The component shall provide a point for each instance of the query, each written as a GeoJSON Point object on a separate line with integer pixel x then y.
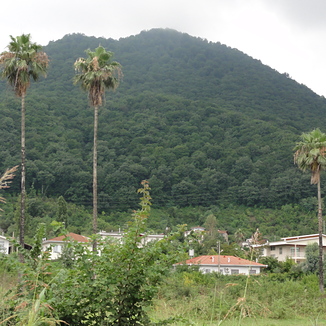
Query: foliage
{"type": "Point", "coordinates": [111, 287]}
{"type": "Point", "coordinates": [310, 265]}
{"type": "Point", "coordinates": [213, 298]}
{"type": "Point", "coordinates": [222, 140]}
{"type": "Point", "coordinates": [23, 61]}
{"type": "Point", "coordinates": [158, 127]}
{"type": "Point", "coordinates": [26, 304]}
{"type": "Point", "coordinates": [310, 153]}
{"type": "Point", "coordinates": [97, 73]}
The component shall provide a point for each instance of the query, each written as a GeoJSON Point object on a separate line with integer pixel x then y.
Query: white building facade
{"type": "Point", "coordinates": [4, 245]}
{"type": "Point", "coordinates": [290, 248]}
{"type": "Point", "coordinates": [226, 265]}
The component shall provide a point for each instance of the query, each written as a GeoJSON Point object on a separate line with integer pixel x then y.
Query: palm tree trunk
{"type": "Point", "coordinates": [320, 231]}
{"type": "Point", "coordinates": [23, 177]}
{"type": "Point", "coordinates": [95, 175]}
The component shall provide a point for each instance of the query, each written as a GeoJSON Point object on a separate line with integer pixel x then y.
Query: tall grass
{"type": "Point", "coordinates": [193, 298]}
{"type": "Point", "coordinates": [216, 299]}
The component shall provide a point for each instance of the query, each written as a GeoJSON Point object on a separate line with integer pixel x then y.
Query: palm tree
{"type": "Point", "coordinates": [310, 154]}
{"type": "Point", "coordinates": [24, 61]}
{"type": "Point", "coordinates": [97, 73]}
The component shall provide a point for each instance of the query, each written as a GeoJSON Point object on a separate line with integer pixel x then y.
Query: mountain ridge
{"type": "Point", "coordinates": [205, 123]}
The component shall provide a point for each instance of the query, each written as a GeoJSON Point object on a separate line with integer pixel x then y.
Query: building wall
{"type": "Point", "coordinates": [230, 270]}
{"type": "Point", "coordinates": [4, 245]}
{"type": "Point", "coordinates": [295, 250]}
{"type": "Point", "coordinates": [55, 250]}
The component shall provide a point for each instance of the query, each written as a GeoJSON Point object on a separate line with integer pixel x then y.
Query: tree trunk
{"type": "Point", "coordinates": [320, 231]}
{"type": "Point", "coordinates": [95, 175]}
{"type": "Point", "coordinates": [23, 178]}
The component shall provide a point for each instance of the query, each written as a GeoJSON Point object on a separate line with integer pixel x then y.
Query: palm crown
{"type": "Point", "coordinates": [97, 73]}
{"type": "Point", "coordinates": [23, 61]}
{"type": "Point", "coordinates": [310, 153]}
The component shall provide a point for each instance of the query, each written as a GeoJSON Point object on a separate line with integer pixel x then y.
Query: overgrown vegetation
{"type": "Point", "coordinates": [211, 299]}
{"type": "Point", "coordinates": [110, 287]}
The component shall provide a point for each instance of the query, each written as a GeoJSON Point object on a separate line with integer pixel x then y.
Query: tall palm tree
{"type": "Point", "coordinates": [96, 73]}
{"type": "Point", "coordinates": [310, 154]}
{"type": "Point", "coordinates": [22, 63]}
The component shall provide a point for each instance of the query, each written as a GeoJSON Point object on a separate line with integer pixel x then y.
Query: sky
{"type": "Point", "coordinates": [287, 35]}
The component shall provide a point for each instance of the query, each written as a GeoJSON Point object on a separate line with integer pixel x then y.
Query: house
{"type": "Point", "coordinates": [290, 247]}
{"type": "Point", "coordinates": [4, 245]}
{"type": "Point", "coordinates": [55, 245]}
{"type": "Point", "coordinates": [224, 234]}
{"type": "Point", "coordinates": [226, 265]}
{"type": "Point", "coordinates": [145, 238]}
{"type": "Point", "coordinates": [195, 229]}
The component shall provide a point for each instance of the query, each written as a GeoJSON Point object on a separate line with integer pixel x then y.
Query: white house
{"type": "Point", "coordinates": [195, 229]}
{"type": "Point", "coordinates": [55, 245]}
{"type": "Point", "coordinates": [290, 247]}
{"type": "Point", "coordinates": [4, 245]}
{"type": "Point", "coordinates": [146, 238]}
{"type": "Point", "coordinates": [226, 265]}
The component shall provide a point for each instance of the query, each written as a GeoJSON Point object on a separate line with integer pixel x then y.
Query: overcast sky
{"type": "Point", "coordinates": [287, 35]}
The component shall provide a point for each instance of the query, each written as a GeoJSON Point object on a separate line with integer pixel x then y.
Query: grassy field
{"type": "Point", "coordinates": [229, 301]}
{"type": "Point", "coordinates": [194, 299]}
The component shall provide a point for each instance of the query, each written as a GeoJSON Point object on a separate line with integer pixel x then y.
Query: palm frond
{"type": "Point", "coordinates": [310, 153]}
{"type": "Point", "coordinates": [96, 73]}
{"type": "Point", "coordinates": [22, 62]}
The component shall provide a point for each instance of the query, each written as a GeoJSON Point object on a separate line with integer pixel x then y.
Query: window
{"type": "Point", "coordinates": [57, 249]}
{"type": "Point", "coordinates": [252, 271]}
{"type": "Point", "coordinates": [207, 270]}
{"type": "Point", "coordinates": [234, 271]}
{"type": "Point", "coordinates": [280, 250]}
{"type": "Point", "coordinates": [293, 250]}
{"type": "Point", "coordinates": [272, 248]}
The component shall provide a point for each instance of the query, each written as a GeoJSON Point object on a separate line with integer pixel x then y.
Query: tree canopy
{"type": "Point", "coordinates": [206, 124]}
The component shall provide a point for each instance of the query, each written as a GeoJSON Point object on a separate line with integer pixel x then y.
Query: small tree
{"type": "Point", "coordinates": [127, 271]}
{"type": "Point", "coordinates": [312, 259]}
{"type": "Point", "coordinates": [62, 211]}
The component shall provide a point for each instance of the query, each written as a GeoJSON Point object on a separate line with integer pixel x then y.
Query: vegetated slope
{"type": "Point", "coordinates": [205, 123]}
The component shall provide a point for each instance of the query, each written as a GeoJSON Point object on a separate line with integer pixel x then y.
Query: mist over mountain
{"type": "Point", "coordinates": [204, 123]}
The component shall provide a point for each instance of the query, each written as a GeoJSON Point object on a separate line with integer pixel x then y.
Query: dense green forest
{"type": "Point", "coordinates": [211, 128]}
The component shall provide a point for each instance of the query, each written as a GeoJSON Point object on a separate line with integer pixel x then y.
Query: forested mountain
{"type": "Point", "coordinates": [204, 123]}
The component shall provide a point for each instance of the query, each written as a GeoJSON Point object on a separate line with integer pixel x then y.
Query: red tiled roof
{"type": "Point", "coordinates": [72, 236]}
{"type": "Point", "coordinates": [224, 260]}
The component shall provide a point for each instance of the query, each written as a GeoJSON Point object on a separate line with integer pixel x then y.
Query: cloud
{"type": "Point", "coordinates": [284, 34]}
{"type": "Point", "coordinates": [304, 15]}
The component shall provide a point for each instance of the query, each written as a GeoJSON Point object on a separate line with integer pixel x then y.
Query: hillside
{"type": "Point", "coordinates": [205, 123]}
